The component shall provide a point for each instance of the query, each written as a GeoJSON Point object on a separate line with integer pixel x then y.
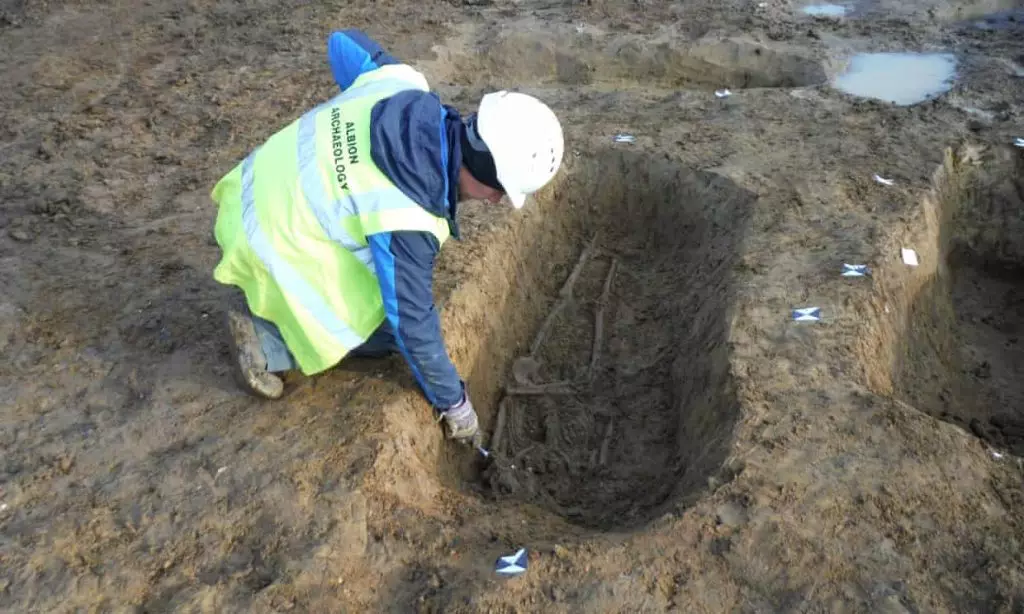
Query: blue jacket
{"type": "Point", "coordinates": [415, 142]}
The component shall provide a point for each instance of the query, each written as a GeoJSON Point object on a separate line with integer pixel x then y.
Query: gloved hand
{"type": "Point", "coordinates": [462, 421]}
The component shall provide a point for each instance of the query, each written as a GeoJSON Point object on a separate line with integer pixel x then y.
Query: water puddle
{"type": "Point", "coordinates": [900, 78]}
{"type": "Point", "coordinates": [824, 10]}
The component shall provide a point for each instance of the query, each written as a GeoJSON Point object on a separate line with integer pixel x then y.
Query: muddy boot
{"type": "Point", "coordinates": [250, 365]}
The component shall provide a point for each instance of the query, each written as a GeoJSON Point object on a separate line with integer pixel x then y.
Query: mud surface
{"type": "Point", "coordinates": [715, 456]}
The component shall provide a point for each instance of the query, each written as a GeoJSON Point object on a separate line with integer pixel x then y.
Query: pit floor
{"type": "Point", "coordinates": [990, 313]}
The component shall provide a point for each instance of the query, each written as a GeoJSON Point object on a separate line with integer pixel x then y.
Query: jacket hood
{"type": "Point", "coordinates": [415, 142]}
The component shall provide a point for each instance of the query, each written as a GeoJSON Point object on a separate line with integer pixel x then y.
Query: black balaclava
{"type": "Point", "coordinates": [476, 157]}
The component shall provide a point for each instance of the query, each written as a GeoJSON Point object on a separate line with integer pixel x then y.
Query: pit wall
{"type": "Point", "coordinates": [492, 289]}
{"type": "Point", "coordinates": [532, 52]}
{"type": "Point", "coordinates": [910, 345]}
{"type": "Point", "coordinates": [507, 273]}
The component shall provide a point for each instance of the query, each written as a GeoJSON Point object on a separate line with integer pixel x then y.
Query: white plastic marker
{"type": "Point", "coordinates": [513, 564]}
{"type": "Point", "coordinates": [807, 314]}
{"type": "Point", "coordinates": [625, 138]}
{"type": "Point", "coordinates": [1019, 142]}
{"type": "Point", "coordinates": [883, 180]}
{"type": "Point", "coordinates": [855, 270]}
{"type": "Point", "coordinates": [722, 93]}
{"type": "Point", "coordinates": [483, 452]}
{"type": "Point", "coordinates": [909, 256]}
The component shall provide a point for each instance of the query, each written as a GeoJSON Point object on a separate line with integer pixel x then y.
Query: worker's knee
{"type": "Point", "coordinates": [380, 344]}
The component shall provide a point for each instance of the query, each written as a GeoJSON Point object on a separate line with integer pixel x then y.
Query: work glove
{"type": "Point", "coordinates": [461, 421]}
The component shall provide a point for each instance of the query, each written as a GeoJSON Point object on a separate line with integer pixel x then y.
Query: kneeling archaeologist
{"type": "Point", "coordinates": [331, 227]}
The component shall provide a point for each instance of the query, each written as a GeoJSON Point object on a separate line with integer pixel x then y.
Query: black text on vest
{"type": "Point", "coordinates": [342, 146]}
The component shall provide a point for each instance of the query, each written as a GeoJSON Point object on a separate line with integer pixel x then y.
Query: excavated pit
{"type": "Point", "coordinates": [564, 54]}
{"type": "Point", "coordinates": [636, 252]}
{"type": "Point", "coordinates": [958, 352]}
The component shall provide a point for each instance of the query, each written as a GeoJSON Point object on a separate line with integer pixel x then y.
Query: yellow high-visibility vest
{"type": "Point", "coordinates": [294, 216]}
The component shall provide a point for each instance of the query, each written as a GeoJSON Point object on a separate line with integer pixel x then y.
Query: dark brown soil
{"type": "Point", "coordinates": [867, 463]}
{"type": "Point", "coordinates": [962, 358]}
{"type": "Point", "coordinates": [653, 409]}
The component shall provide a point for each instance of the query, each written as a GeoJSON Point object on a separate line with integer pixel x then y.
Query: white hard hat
{"type": "Point", "coordinates": [525, 138]}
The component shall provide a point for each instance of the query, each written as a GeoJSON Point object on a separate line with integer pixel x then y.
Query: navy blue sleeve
{"type": "Point", "coordinates": [352, 53]}
{"type": "Point", "coordinates": [405, 271]}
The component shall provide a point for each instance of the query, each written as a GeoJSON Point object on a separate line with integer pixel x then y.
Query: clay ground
{"type": "Point", "coordinates": [708, 454]}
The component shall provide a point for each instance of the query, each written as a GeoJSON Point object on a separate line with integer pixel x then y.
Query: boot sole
{"type": "Point", "coordinates": [237, 372]}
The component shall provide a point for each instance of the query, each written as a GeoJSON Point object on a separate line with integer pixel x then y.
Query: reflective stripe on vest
{"type": "Point", "coordinates": [282, 272]}
{"type": "Point", "coordinates": [327, 210]}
